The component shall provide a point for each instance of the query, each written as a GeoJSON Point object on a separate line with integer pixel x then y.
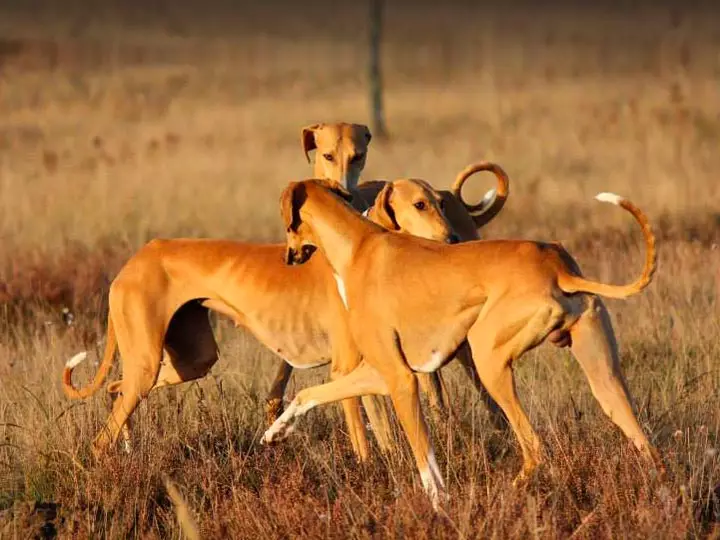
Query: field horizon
{"type": "Point", "coordinates": [124, 122]}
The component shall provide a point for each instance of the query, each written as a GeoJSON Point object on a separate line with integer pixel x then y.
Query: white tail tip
{"type": "Point", "coordinates": [489, 196]}
{"type": "Point", "coordinates": [609, 198]}
{"type": "Point", "coordinates": [79, 358]}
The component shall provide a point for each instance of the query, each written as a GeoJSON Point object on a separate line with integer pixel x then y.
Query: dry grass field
{"type": "Point", "coordinates": [128, 121]}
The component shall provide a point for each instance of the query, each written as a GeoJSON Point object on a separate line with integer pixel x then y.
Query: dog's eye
{"type": "Point", "coordinates": [420, 205]}
{"type": "Point", "coordinates": [328, 157]}
{"type": "Point", "coordinates": [356, 158]}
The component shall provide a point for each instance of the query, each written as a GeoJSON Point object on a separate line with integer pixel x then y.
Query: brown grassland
{"type": "Point", "coordinates": [130, 121]}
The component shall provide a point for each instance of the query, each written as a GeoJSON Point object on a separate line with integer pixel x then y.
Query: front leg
{"type": "Point", "coordinates": [274, 400]}
{"type": "Point", "coordinates": [363, 380]}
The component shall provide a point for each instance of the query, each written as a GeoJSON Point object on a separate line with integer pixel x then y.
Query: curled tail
{"type": "Point", "coordinates": [493, 201]}
{"type": "Point", "coordinates": [103, 370]}
{"type": "Point", "coordinates": [572, 284]}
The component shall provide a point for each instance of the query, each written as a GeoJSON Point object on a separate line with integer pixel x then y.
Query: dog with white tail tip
{"type": "Point", "coordinates": [412, 301]}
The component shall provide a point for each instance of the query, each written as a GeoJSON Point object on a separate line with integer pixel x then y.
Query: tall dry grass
{"type": "Point", "coordinates": [122, 123]}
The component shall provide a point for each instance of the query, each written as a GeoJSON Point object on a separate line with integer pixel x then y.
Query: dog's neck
{"type": "Point", "coordinates": [338, 228]}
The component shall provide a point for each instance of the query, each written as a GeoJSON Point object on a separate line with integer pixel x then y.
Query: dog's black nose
{"type": "Point", "coordinates": [290, 257]}
{"type": "Point", "coordinates": [453, 239]}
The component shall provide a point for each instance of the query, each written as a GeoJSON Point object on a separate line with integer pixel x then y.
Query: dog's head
{"type": "Point", "coordinates": [341, 150]}
{"type": "Point", "coordinates": [300, 237]}
{"type": "Point", "coordinates": [413, 207]}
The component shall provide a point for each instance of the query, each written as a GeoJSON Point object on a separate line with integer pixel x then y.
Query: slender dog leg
{"type": "Point", "coordinates": [140, 346]}
{"type": "Point", "coordinates": [432, 385]}
{"type": "Point", "coordinates": [497, 416]}
{"type": "Point", "coordinates": [406, 399]}
{"type": "Point", "coordinates": [503, 334]}
{"type": "Point", "coordinates": [274, 400]}
{"type": "Point", "coordinates": [123, 406]}
{"type": "Point", "coordinates": [363, 380]}
{"type": "Point", "coordinates": [353, 418]}
{"type": "Point", "coordinates": [379, 419]}
{"type": "Point", "coordinates": [595, 347]}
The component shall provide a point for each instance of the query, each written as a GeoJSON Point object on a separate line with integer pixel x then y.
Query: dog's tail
{"type": "Point", "coordinates": [572, 284]}
{"type": "Point", "coordinates": [103, 370]}
{"type": "Point", "coordinates": [493, 201]}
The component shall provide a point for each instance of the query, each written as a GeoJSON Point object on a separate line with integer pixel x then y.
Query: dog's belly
{"type": "Point", "coordinates": [427, 347]}
{"type": "Point", "coordinates": [301, 343]}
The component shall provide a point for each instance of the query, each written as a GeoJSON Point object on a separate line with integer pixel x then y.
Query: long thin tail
{"type": "Point", "coordinates": [103, 370]}
{"type": "Point", "coordinates": [572, 284]}
{"type": "Point", "coordinates": [493, 201]}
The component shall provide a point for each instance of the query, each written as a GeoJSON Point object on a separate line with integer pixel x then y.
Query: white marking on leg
{"type": "Point", "coordinates": [366, 213]}
{"type": "Point", "coordinates": [432, 480]}
{"type": "Point", "coordinates": [341, 289]}
{"type": "Point", "coordinates": [436, 360]}
{"type": "Point", "coordinates": [79, 358]}
{"type": "Point", "coordinates": [283, 426]}
{"type": "Point", "coordinates": [609, 198]}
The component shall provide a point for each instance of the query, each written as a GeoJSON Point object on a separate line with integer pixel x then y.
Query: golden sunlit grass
{"type": "Point", "coordinates": [123, 125]}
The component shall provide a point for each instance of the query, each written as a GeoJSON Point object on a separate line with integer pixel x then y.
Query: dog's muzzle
{"type": "Point", "coordinates": [294, 256]}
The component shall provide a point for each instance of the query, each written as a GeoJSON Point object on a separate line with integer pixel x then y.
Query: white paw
{"type": "Point", "coordinates": [282, 427]}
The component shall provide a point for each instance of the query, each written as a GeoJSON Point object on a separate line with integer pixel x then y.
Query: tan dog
{"type": "Point", "coordinates": [412, 302]}
{"type": "Point", "coordinates": [340, 155]}
{"type": "Point", "coordinates": [159, 302]}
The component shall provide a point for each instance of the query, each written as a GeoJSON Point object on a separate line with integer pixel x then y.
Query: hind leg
{"type": "Point", "coordinates": [497, 416]}
{"type": "Point", "coordinates": [595, 347]}
{"type": "Point", "coordinates": [502, 334]}
{"type": "Point", "coordinates": [274, 400]}
{"type": "Point", "coordinates": [186, 351]}
{"type": "Point", "coordinates": [139, 340]}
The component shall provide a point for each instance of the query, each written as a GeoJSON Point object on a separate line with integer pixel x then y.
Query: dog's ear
{"type": "Point", "coordinates": [366, 132]}
{"type": "Point", "coordinates": [307, 139]}
{"type": "Point", "coordinates": [335, 187]}
{"type": "Point", "coordinates": [384, 213]}
{"type": "Point", "coordinates": [291, 200]}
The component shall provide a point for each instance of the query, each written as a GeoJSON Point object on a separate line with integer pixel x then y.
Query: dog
{"type": "Point", "coordinates": [341, 150]}
{"type": "Point", "coordinates": [412, 302]}
{"type": "Point", "coordinates": [340, 155]}
{"type": "Point", "coordinates": [159, 302]}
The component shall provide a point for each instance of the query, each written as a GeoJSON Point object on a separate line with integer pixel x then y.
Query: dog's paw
{"type": "Point", "coordinates": [277, 432]}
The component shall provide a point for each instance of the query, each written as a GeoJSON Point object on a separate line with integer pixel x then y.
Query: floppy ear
{"type": "Point", "coordinates": [384, 212]}
{"type": "Point", "coordinates": [307, 139]}
{"type": "Point", "coordinates": [366, 132]}
{"type": "Point", "coordinates": [336, 187]}
{"type": "Point", "coordinates": [291, 200]}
